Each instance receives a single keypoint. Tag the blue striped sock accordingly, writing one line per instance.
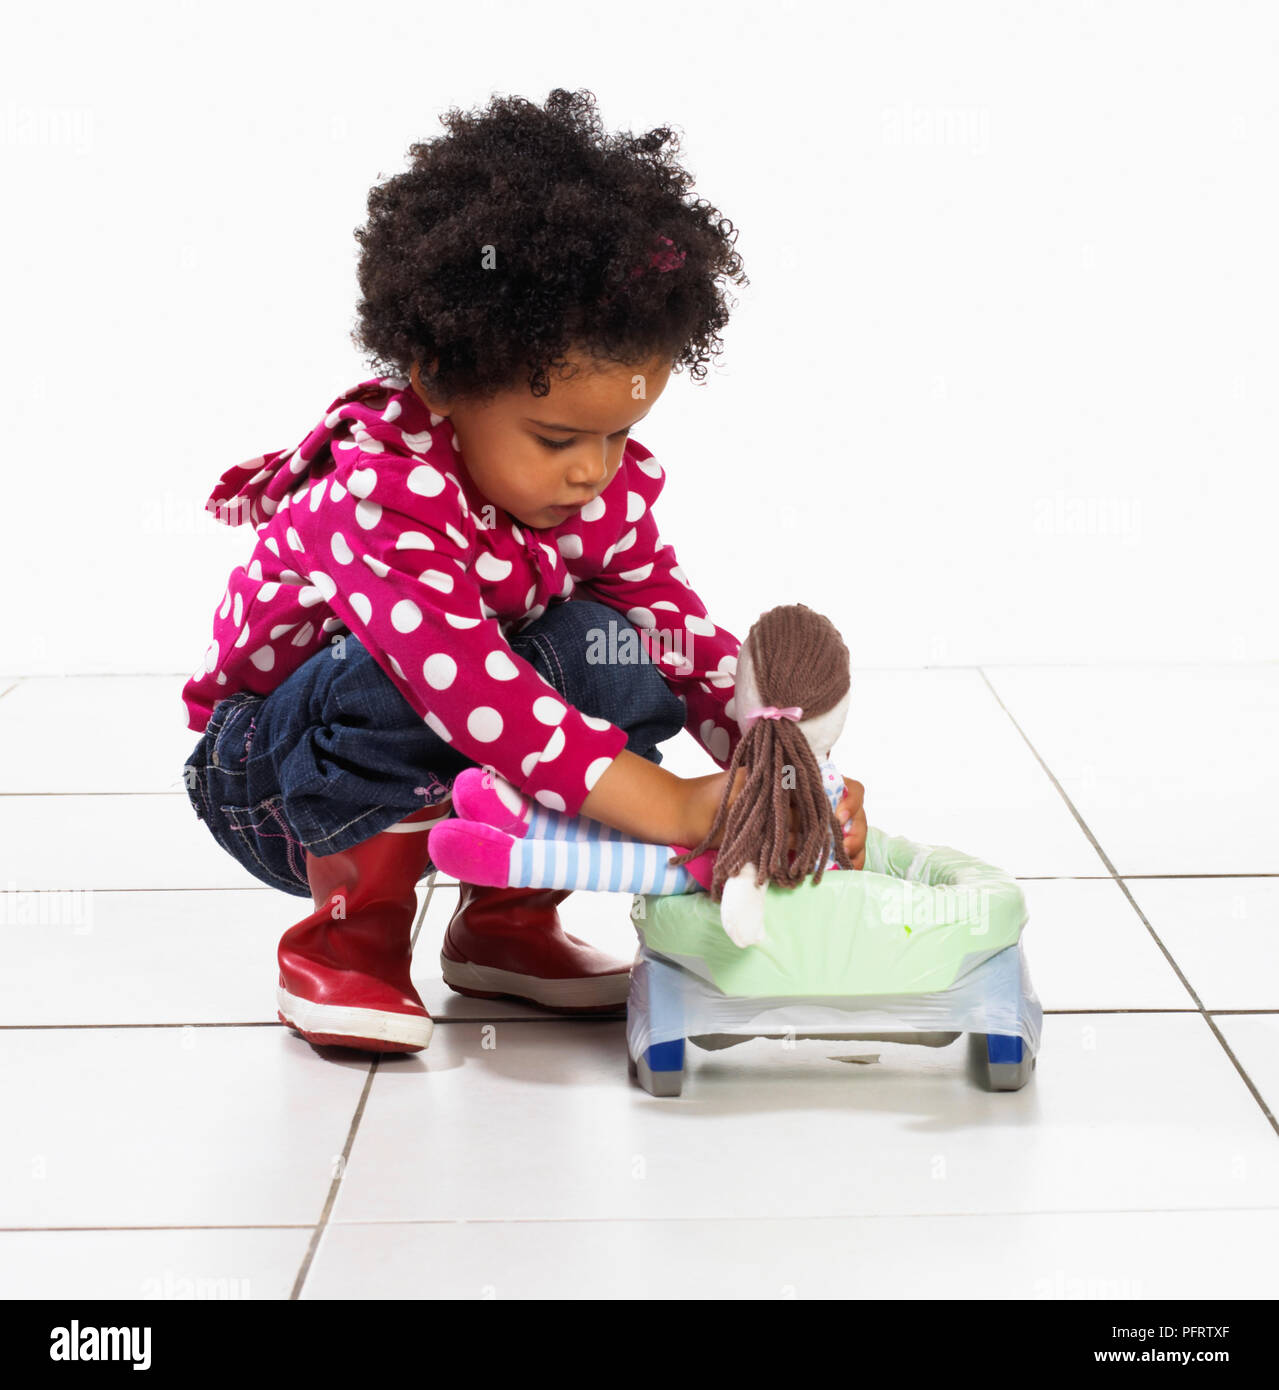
(551, 825)
(603, 866)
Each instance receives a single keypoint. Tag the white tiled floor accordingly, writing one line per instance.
(166, 1137)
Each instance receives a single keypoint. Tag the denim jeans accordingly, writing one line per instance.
(336, 754)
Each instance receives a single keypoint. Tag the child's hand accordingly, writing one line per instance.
(852, 816)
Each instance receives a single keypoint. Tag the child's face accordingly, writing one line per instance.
(504, 445)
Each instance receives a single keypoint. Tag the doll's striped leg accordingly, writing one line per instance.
(550, 825)
(603, 866)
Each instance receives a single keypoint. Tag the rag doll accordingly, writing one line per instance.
(792, 694)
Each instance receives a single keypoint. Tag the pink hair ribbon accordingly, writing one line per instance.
(773, 712)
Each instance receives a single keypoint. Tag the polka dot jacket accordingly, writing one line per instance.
(372, 526)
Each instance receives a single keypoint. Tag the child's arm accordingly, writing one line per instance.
(645, 801)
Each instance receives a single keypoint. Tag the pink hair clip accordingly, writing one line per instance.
(662, 261)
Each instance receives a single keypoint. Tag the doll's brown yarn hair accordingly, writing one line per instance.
(797, 658)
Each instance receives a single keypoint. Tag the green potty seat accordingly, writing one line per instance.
(914, 920)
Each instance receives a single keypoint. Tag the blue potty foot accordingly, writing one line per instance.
(1008, 1062)
(660, 1068)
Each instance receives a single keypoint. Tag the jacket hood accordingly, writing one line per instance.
(253, 490)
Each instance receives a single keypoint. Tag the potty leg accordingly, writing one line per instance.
(655, 997)
(1009, 1062)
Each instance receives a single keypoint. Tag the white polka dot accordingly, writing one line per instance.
(553, 801)
(458, 621)
(715, 740)
(341, 550)
(361, 482)
(414, 540)
(547, 710)
(641, 617)
(363, 608)
(238, 609)
(226, 605)
(635, 506)
(336, 491)
(378, 568)
(596, 770)
(455, 536)
(425, 481)
(626, 542)
(211, 656)
(437, 579)
(517, 533)
(594, 509)
(438, 727)
(417, 443)
(368, 514)
(500, 666)
(570, 547)
(638, 577)
(440, 670)
(596, 723)
(484, 724)
(489, 567)
(703, 627)
(294, 540)
(406, 616)
(268, 591)
(322, 582)
(554, 747)
(263, 658)
(392, 412)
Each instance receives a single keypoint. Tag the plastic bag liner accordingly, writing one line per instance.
(923, 941)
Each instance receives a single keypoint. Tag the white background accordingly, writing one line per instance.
(1001, 390)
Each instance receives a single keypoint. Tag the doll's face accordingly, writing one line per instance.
(543, 457)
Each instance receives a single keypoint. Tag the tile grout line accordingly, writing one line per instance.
(321, 1226)
(1127, 892)
(570, 1019)
(636, 1220)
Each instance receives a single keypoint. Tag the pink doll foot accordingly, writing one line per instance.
(703, 867)
(484, 796)
(471, 852)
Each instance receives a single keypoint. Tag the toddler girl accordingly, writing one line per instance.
(459, 566)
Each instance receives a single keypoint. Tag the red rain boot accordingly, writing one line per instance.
(509, 941)
(344, 970)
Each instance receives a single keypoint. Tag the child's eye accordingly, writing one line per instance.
(564, 443)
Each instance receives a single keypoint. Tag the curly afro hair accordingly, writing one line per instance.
(527, 232)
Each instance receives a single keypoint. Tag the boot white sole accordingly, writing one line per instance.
(360, 1025)
(597, 991)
